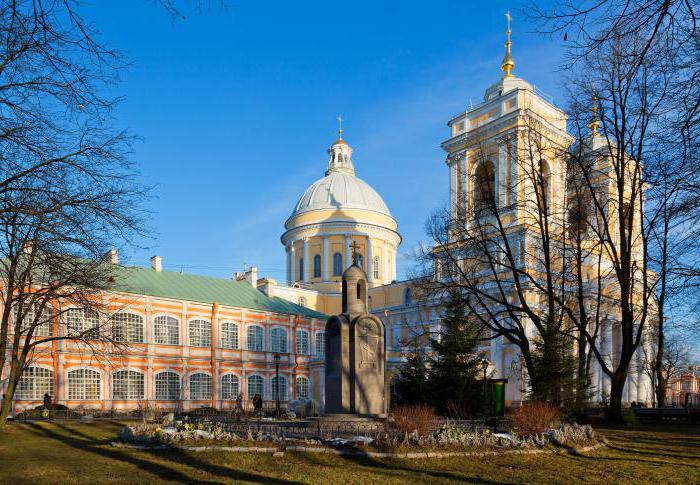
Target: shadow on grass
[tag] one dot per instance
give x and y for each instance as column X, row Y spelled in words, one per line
column 85, row 442
column 391, row 466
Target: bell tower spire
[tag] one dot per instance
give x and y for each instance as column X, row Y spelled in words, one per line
column 508, row 62
column 595, row 123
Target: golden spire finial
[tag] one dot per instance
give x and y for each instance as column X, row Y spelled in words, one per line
column 340, row 127
column 594, row 124
column 508, row 63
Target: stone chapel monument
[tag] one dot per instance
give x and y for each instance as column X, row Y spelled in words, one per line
column 355, row 352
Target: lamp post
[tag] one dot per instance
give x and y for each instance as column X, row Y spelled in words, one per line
column 277, row 384
column 485, row 367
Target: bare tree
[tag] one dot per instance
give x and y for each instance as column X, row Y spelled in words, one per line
column 67, row 189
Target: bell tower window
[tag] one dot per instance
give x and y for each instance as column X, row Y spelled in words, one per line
column 484, row 187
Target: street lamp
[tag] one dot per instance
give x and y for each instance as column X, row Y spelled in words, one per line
column 277, row 383
column 484, row 367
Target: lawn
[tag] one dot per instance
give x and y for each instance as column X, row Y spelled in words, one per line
column 80, row 453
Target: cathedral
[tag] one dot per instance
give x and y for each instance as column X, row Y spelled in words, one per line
column 193, row 341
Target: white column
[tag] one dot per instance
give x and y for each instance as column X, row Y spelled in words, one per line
column 370, row 263
column 306, row 259
column 293, row 267
column 325, row 257
column 289, row 266
column 606, row 334
column 385, row 262
column 348, row 253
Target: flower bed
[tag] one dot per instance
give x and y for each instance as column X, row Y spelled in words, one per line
column 448, row 438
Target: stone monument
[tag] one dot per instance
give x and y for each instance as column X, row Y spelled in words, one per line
column 355, row 352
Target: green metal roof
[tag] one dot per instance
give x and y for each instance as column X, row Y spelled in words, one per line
column 204, row 289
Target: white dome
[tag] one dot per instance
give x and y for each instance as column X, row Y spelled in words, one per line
column 339, row 190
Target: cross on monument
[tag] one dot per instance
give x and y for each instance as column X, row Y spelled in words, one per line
column 354, row 246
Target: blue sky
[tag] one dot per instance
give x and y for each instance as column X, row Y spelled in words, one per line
column 236, row 108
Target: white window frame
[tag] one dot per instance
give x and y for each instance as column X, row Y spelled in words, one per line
column 200, row 386
column 279, row 340
column 230, row 386
column 168, row 386
column 34, row 383
column 303, row 387
column 283, row 388
column 166, row 330
column 83, row 322
column 128, row 385
column 80, row 382
column 321, row 343
column 302, row 342
column 127, row 327
column 229, row 335
column 251, row 392
column 255, row 338
column 199, row 332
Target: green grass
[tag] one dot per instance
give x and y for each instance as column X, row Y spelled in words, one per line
column 80, row 453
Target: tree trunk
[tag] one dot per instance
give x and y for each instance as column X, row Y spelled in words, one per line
column 7, row 398
column 617, row 386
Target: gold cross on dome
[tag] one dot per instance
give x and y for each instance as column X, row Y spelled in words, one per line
column 354, row 246
column 340, row 126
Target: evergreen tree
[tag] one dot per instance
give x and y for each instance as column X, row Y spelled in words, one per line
column 411, row 384
column 454, row 374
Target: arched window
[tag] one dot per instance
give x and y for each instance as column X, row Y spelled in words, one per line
column 255, row 338
column 321, row 343
column 127, row 384
column 200, row 386
column 302, row 301
column 302, row 342
column 337, row 264
column 303, row 388
column 484, row 187
column 361, row 261
column 229, row 335
column 407, row 297
column 230, row 386
column 317, row 266
column 255, row 386
column 167, row 330
column 376, row 268
column 83, row 385
column 83, row 322
column 544, row 185
column 282, row 388
column 200, row 333
column 301, row 269
column 127, row 327
column 34, row 383
column 278, row 340
column 40, row 324
column 167, row 386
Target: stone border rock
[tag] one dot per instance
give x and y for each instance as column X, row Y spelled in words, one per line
column 276, row 452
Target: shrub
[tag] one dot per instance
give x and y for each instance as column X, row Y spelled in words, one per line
column 414, row 417
column 535, row 417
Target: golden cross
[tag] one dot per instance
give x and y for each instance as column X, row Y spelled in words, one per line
column 340, row 126
column 509, row 19
column 354, row 246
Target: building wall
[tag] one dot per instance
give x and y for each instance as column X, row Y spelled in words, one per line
column 150, row 358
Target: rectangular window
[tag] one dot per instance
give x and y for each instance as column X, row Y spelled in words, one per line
column 302, row 342
column 320, row 343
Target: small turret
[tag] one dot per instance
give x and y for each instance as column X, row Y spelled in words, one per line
column 354, row 287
